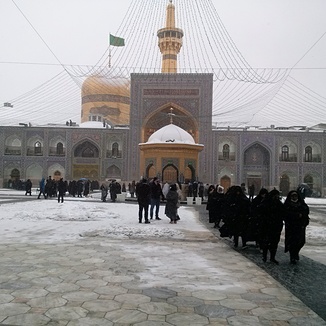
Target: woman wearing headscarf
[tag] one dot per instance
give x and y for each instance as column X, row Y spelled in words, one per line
column 271, row 224
column 237, row 208
column 219, row 214
column 256, row 215
column 211, row 205
column 296, row 221
column 171, row 207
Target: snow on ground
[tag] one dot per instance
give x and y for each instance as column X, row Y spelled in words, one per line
column 46, row 220
column 49, row 221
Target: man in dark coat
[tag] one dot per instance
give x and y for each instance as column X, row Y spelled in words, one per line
column 143, row 197
column 156, row 195
column 114, row 190
column 195, row 189
column 80, row 188
column 28, row 187
column 251, row 192
column 62, row 188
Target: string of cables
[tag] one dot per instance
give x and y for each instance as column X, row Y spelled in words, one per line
column 241, row 94
column 207, row 48
column 47, row 103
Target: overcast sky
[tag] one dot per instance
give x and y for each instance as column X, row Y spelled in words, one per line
column 38, row 34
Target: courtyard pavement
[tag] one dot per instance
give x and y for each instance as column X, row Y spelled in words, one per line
column 197, row 280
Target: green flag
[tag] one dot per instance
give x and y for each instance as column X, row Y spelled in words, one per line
column 116, row 41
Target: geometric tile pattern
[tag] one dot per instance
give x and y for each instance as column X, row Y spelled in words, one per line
column 102, row 281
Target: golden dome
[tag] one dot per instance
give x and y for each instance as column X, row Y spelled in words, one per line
column 103, row 85
column 106, row 99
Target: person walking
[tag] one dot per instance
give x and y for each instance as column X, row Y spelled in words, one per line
column 104, row 191
column 86, row 188
column 28, row 187
column 201, row 190
column 296, row 221
column 271, row 224
column 165, row 189
column 179, row 191
column 256, row 216
column 211, row 205
column 132, row 188
column 219, row 215
column 42, row 189
column 171, row 207
column 251, row 192
column 195, row 189
column 80, row 188
column 61, row 190
column 143, row 197
column 114, row 190
column 237, row 209
column 156, row 195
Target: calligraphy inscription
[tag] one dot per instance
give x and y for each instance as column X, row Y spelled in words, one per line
column 171, row 92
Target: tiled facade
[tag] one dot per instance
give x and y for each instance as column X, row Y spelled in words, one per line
column 266, row 158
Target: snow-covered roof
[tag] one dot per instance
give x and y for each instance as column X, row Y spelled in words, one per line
column 171, row 134
column 92, row 124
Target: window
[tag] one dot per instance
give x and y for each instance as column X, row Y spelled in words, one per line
column 37, row 148
column 115, row 150
column 285, row 153
column 226, row 152
column 308, row 154
column 88, row 152
column 59, row 149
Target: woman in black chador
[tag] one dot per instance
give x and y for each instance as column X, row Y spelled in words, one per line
column 236, row 213
column 171, row 207
column 296, row 221
column 255, row 218
column 271, row 224
column 211, row 203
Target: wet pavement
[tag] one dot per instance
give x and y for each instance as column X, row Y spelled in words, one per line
column 305, row 280
column 197, row 280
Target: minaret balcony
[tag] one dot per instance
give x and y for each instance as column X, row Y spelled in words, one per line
column 168, row 32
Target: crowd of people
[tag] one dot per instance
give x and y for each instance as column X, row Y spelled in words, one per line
column 149, row 196
column 260, row 219
column 51, row 188
column 257, row 219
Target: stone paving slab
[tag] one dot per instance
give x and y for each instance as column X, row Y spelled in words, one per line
column 101, row 281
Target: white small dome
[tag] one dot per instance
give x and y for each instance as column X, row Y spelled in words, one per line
column 171, row 134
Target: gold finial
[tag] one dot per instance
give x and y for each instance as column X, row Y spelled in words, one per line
column 171, row 115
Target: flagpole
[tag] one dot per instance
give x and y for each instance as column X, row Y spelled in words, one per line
column 109, row 50
column 109, row 56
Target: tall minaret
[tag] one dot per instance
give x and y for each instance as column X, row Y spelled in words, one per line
column 170, row 41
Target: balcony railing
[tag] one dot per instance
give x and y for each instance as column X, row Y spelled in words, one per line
column 231, row 157
column 53, row 152
column 13, row 150
column 109, row 154
column 34, row 151
column 290, row 158
column 314, row 159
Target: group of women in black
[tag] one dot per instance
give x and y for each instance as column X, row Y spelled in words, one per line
column 260, row 220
